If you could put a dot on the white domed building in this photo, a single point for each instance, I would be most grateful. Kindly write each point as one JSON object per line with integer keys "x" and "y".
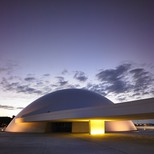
{"x": 69, "y": 110}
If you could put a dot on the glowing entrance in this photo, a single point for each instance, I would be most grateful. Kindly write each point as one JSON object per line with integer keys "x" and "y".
{"x": 97, "y": 127}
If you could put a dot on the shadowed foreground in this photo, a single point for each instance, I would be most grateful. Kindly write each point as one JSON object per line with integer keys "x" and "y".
{"x": 120, "y": 143}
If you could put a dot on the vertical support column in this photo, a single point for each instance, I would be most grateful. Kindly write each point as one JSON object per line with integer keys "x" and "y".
{"x": 97, "y": 127}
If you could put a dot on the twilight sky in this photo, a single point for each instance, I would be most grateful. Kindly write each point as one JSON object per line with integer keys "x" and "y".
{"x": 106, "y": 46}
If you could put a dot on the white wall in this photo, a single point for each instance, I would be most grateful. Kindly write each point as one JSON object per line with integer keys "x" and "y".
{"x": 113, "y": 126}
{"x": 28, "y": 127}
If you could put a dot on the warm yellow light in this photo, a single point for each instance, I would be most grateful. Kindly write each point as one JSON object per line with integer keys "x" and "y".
{"x": 97, "y": 127}
{"x": 18, "y": 120}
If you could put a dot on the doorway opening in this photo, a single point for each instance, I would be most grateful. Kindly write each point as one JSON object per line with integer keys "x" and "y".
{"x": 61, "y": 127}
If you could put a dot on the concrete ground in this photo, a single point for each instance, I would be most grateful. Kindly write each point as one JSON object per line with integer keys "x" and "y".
{"x": 141, "y": 142}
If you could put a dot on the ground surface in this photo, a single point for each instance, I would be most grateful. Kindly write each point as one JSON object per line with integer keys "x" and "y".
{"x": 120, "y": 143}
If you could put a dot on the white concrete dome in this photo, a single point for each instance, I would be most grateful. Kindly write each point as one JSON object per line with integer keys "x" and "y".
{"x": 62, "y": 100}
{"x": 65, "y": 100}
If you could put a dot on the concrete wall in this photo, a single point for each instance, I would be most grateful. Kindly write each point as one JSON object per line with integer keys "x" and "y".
{"x": 80, "y": 127}
{"x": 27, "y": 127}
{"x": 113, "y": 126}
{"x": 77, "y": 127}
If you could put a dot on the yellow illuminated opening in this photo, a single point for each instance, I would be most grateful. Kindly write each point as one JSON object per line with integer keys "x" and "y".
{"x": 97, "y": 127}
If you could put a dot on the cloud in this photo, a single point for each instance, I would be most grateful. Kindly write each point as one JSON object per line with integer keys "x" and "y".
{"x": 111, "y": 75}
{"x": 98, "y": 88}
{"x": 4, "y": 69}
{"x": 115, "y": 79}
{"x": 64, "y": 72}
{"x": 29, "y": 79}
{"x": 80, "y": 76}
{"x": 8, "y": 68}
{"x": 19, "y": 86}
{"x": 121, "y": 82}
{"x": 126, "y": 80}
{"x": 61, "y": 81}
{"x": 28, "y": 90}
{"x": 142, "y": 80}
{"x": 29, "y": 84}
{"x": 19, "y": 108}
{"x": 46, "y": 75}
{"x": 8, "y": 107}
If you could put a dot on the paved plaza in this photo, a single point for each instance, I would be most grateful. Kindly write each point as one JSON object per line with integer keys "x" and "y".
{"x": 118, "y": 143}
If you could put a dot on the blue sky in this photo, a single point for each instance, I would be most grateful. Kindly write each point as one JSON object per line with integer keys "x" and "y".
{"x": 106, "y": 46}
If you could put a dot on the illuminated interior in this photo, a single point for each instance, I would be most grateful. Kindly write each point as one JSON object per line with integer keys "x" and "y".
{"x": 97, "y": 127}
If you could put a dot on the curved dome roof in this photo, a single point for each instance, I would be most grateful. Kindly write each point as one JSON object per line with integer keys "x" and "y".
{"x": 64, "y": 100}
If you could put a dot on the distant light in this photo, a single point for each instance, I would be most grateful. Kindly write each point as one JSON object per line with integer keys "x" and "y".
{"x": 97, "y": 127}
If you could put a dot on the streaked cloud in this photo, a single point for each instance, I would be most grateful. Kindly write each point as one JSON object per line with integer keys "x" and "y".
{"x": 115, "y": 79}
{"x": 61, "y": 81}
{"x": 46, "y": 75}
{"x": 8, "y": 107}
{"x": 123, "y": 82}
{"x": 98, "y": 88}
{"x": 125, "y": 79}
{"x": 143, "y": 80}
{"x": 27, "y": 90}
{"x": 29, "y": 79}
{"x": 80, "y": 76}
